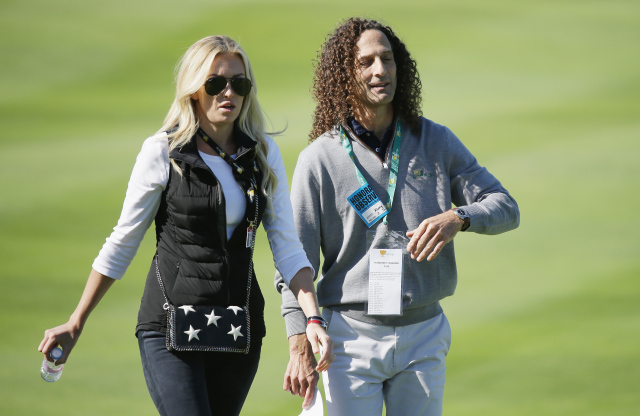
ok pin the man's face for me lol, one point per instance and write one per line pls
(375, 70)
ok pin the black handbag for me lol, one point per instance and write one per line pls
(208, 327)
(212, 327)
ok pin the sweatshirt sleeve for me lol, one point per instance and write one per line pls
(288, 255)
(148, 179)
(305, 202)
(491, 209)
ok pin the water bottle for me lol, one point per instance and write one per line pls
(49, 371)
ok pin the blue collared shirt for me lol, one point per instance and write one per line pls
(369, 138)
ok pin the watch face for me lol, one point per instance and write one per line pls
(461, 212)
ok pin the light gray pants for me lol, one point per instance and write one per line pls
(404, 366)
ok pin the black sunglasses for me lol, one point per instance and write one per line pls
(215, 85)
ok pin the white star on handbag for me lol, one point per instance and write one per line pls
(235, 309)
(213, 319)
(193, 333)
(187, 309)
(235, 331)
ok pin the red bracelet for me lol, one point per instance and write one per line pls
(317, 320)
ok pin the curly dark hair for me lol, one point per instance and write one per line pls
(334, 91)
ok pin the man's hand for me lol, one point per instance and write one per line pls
(432, 234)
(301, 376)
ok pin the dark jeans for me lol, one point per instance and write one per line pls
(196, 383)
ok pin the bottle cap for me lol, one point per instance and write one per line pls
(56, 353)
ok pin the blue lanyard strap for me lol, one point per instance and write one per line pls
(395, 161)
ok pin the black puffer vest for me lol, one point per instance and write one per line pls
(197, 263)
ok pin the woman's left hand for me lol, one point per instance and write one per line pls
(302, 287)
(321, 343)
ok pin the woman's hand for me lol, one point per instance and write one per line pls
(64, 336)
(300, 377)
(320, 343)
(302, 287)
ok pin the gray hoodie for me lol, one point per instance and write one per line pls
(435, 171)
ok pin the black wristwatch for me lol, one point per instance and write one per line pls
(464, 216)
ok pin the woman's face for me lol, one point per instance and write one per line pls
(224, 108)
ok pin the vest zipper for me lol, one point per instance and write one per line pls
(226, 260)
(222, 231)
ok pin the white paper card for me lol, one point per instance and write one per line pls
(385, 282)
(317, 406)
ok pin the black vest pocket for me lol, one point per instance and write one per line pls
(200, 283)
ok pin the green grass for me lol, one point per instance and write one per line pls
(546, 94)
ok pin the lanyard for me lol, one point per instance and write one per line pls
(237, 172)
(393, 172)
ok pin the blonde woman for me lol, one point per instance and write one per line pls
(204, 179)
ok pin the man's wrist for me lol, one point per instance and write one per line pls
(298, 344)
(295, 323)
(463, 215)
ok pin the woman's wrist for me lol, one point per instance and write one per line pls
(319, 320)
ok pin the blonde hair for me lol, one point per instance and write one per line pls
(181, 122)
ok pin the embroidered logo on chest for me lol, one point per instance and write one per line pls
(421, 174)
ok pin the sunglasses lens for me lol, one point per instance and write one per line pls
(242, 86)
(215, 85)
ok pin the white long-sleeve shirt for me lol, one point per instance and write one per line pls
(149, 179)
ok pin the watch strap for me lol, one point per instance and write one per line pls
(464, 216)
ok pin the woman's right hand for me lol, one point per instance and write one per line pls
(64, 336)
(67, 335)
